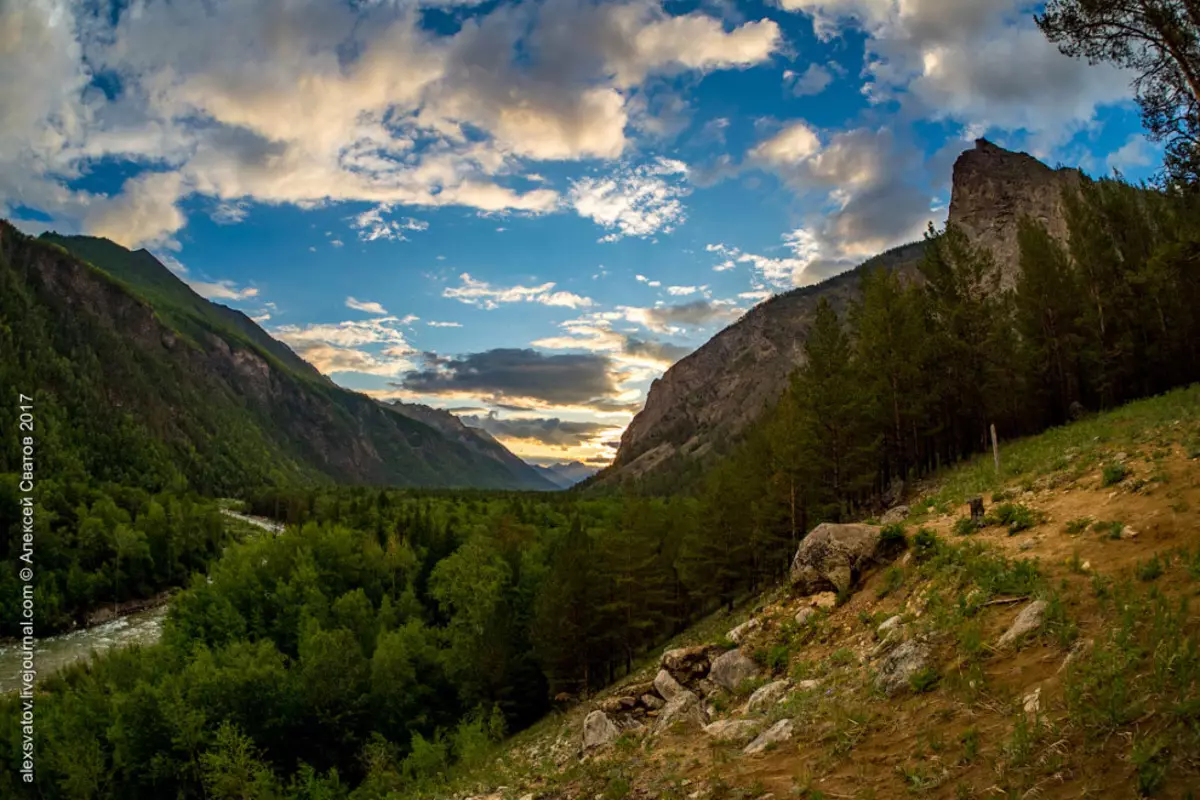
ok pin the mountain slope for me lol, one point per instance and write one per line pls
(706, 400)
(140, 381)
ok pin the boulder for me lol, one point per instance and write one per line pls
(733, 730)
(832, 556)
(683, 707)
(894, 516)
(598, 731)
(778, 733)
(824, 600)
(901, 664)
(766, 696)
(891, 628)
(808, 685)
(732, 669)
(666, 686)
(804, 615)
(1029, 620)
(617, 705)
(687, 664)
(652, 701)
(740, 632)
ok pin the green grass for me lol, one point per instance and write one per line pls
(1014, 516)
(1078, 525)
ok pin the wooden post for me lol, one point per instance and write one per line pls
(995, 449)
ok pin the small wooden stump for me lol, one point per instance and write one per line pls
(976, 508)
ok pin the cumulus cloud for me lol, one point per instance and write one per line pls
(366, 306)
(677, 318)
(522, 378)
(594, 333)
(983, 63)
(436, 324)
(375, 346)
(487, 296)
(637, 201)
(371, 225)
(309, 103)
(813, 81)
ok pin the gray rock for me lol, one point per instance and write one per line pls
(777, 734)
(652, 701)
(687, 664)
(804, 615)
(894, 516)
(808, 685)
(683, 707)
(666, 685)
(1029, 620)
(832, 556)
(733, 730)
(901, 664)
(732, 669)
(598, 730)
(890, 628)
(740, 632)
(766, 696)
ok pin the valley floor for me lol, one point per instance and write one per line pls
(1100, 521)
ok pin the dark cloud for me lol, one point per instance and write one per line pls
(513, 375)
(660, 351)
(555, 432)
(697, 313)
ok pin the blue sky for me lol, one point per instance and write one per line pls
(524, 212)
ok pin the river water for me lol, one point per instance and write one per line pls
(141, 627)
(55, 652)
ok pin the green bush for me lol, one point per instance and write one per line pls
(1151, 570)
(1114, 473)
(892, 538)
(925, 544)
(924, 680)
(1079, 525)
(1015, 516)
(965, 526)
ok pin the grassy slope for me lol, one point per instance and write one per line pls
(1122, 720)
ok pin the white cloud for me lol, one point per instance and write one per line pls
(683, 291)
(634, 201)
(372, 226)
(230, 212)
(813, 81)
(484, 295)
(366, 306)
(435, 324)
(1137, 152)
(375, 346)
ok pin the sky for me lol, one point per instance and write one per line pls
(523, 212)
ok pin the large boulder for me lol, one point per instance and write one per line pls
(687, 664)
(666, 685)
(832, 556)
(732, 669)
(598, 731)
(683, 707)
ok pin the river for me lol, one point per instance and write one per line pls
(55, 652)
(141, 627)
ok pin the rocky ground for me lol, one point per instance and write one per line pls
(1047, 649)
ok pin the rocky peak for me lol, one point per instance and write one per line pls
(994, 188)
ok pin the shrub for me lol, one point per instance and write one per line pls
(1113, 528)
(892, 538)
(1015, 516)
(778, 657)
(1150, 570)
(1079, 525)
(965, 526)
(893, 578)
(924, 680)
(1114, 473)
(925, 544)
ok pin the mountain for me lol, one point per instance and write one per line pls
(566, 474)
(138, 380)
(701, 404)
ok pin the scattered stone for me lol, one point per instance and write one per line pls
(808, 685)
(889, 628)
(1030, 619)
(901, 664)
(824, 600)
(805, 614)
(740, 632)
(617, 705)
(895, 516)
(766, 696)
(733, 730)
(707, 687)
(1086, 566)
(1081, 648)
(683, 707)
(1128, 533)
(778, 733)
(732, 669)
(1032, 703)
(666, 685)
(832, 556)
(598, 731)
(652, 701)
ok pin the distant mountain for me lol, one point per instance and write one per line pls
(138, 380)
(567, 474)
(703, 403)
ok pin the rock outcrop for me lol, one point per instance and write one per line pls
(731, 670)
(995, 188)
(598, 731)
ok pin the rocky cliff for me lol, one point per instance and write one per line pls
(994, 188)
(706, 400)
